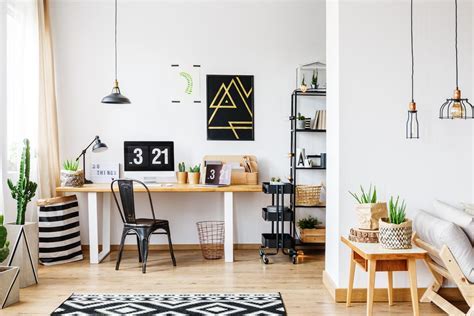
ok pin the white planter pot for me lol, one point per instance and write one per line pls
(24, 251)
(395, 236)
(300, 124)
(9, 286)
(368, 214)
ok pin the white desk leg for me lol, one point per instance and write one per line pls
(229, 226)
(105, 226)
(93, 228)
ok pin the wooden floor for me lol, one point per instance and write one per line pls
(300, 285)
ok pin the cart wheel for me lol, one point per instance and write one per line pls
(265, 259)
(294, 259)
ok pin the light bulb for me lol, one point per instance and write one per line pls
(457, 110)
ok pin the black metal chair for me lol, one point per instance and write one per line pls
(143, 228)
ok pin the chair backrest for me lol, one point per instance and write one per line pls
(127, 198)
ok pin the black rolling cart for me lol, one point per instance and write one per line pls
(278, 213)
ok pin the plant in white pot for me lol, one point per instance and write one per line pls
(395, 232)
(300, 121)
(9, 282)
(24, 235)
(369, 210)
(71, 175)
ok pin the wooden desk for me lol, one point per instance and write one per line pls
(93, 190)
(372, 258)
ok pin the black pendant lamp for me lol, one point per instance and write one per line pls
(412, 126)
(456, 107)
(116, 97)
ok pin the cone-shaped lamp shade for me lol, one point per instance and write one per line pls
(116, 97)
(99, 146)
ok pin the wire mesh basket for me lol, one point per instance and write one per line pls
(211, 238)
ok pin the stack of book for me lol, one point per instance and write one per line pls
(319, 120)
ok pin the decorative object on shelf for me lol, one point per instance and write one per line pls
(303, 86)
(24, 235)
(369, 236)
(275, 181)
(308, 163)
(194, 174)
(230, 107)
(104, 172)
(181, 174)
(300, 121)
(318, 158)
(314, 79)
(98, 147)
(309, 69)
(186, 83)
(9, 281)
(396, 230)
(311, 230)
(412, 129)
(369, 211)
(319, 120)
(116, 97)
(300, 157)
(308, 195)
(456, 107)
(71, 176)
(211, 238)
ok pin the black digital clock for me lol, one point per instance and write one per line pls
(148, 156)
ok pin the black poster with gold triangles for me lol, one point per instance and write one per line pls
(230, 108)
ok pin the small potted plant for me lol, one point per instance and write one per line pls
(303, 86)
(395, 232)
(369, 211)
(182, 175)
(71, 175)
(9, 283)
(314, 80)
(311, 230)
(300, 121)
(194, 174)
(275, 181)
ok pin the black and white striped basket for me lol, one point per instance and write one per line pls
(59, 231)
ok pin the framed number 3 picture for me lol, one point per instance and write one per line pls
(148, 156)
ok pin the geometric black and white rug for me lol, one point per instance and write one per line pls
(172, 304)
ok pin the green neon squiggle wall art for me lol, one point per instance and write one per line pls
(189, 80)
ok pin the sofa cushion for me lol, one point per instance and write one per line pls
(438, 232)
(468, 208)
(455, 215)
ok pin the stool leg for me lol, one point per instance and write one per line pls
(390, 287)
(351, 280)
(413, 286)
(171, 247)
(370, 287)
(139, 252)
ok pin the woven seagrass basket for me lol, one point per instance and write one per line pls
(308, 195)
(395, 236)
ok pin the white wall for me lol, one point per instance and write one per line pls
(267, 39)
(370, 66)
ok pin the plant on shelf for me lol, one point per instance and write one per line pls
(4, 243)
(25, 189)
(194, 174)
(275, 180)
(396, 229)
(182, 175)
(314, 80)
(71, 175)
(369, 210)
(303, 86)
(300, 121)
(311, 230)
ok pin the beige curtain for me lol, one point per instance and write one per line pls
(48, 139)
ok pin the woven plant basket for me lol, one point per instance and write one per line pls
(395, 236)
(308, 195)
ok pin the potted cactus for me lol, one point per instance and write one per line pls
(9, 283)
(24, 235)
(369, 211)
(303, 86)
(314, 80)
(300, 121)
(396, 230)
(194, 174)
(71, 175)
(182, 175)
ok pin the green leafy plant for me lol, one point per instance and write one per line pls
(314, 80)
(303, 83)
(196, 168)
(275, 179)
(308, 222)
(4, 243)
(300, 117)
(181, 167)
(396, 211)
(71, 165)
(25, 189)
(366, 197)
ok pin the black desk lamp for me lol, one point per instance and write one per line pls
(97, 148)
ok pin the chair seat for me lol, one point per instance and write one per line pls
(147, 222)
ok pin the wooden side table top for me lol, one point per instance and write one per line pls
(373, 251)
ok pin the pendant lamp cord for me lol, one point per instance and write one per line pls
(412, 55)
(456, 39)
(115, 39)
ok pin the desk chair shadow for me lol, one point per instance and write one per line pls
(143, 228)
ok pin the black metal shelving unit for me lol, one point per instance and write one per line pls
(293, 145)
(278, 213)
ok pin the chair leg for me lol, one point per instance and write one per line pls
(171, 246)
(144, 251)
(139, 252)
(122, 242)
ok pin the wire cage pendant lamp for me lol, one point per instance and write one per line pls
(456, 107)
(116, 97)
(412, 129)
